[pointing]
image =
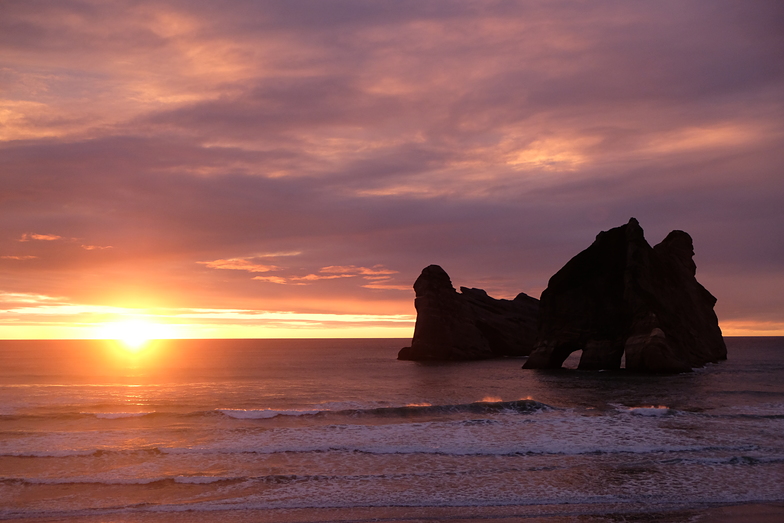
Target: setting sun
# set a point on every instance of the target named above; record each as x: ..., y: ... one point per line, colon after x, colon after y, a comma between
x: 134, y: 334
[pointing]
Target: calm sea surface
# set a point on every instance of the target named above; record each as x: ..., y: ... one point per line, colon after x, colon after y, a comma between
x: 205, y: 427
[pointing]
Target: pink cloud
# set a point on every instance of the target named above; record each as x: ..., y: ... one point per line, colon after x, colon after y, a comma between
x: 376, y: 271
x: 386, y: 287
x: 333, y: 272
x: 238, y: 264
x: 26, y: 237
x: 271, y: 279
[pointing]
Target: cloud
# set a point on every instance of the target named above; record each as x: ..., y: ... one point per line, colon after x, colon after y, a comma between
x: 334, y: 272
x: 314, y: 277
x: 238, y: 264
x: 375, y: 271
x: 21, y: 297
x: 26, y: 237
x: 24, y: 257
x: 276, y: 254
x: 271, y: 279
x: 385, y: 286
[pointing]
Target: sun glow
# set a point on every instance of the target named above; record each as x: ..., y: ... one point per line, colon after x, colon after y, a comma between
x: 134, y: 334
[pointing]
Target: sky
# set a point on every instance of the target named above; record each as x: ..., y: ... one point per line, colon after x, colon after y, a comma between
x: 287, y: 168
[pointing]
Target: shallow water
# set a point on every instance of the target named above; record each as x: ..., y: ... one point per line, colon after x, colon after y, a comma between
x: 88, y: 429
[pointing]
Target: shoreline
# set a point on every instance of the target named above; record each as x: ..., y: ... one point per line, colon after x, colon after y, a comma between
x: 754, y: 512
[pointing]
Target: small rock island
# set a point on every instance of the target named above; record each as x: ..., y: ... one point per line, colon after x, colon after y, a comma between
x: 468, y: 325
x: 620, y: 296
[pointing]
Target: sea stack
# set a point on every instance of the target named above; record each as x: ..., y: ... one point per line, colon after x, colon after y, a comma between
x: 468, y: 325
x: 622, y: 296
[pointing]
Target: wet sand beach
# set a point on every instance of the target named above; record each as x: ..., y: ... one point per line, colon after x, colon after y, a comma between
x: 568, y: 513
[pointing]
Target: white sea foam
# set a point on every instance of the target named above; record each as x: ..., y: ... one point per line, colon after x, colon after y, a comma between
x: 650, y: 411
x: 643, y: 410
x: 202, y: 480
x: 109, y: 479
x: 555, y: 432
x: 263, y: 413
x: 94, y: 479
x: 46, y: 454
x: 118, y: 415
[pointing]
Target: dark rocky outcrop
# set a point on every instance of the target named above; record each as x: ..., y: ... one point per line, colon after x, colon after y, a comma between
x: 468, y: 325
x: 621, y: 295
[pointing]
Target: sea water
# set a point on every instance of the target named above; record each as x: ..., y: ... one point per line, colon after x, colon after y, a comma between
x: 204, y: 427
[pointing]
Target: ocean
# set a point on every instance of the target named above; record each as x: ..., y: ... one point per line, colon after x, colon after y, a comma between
x: 339, y: 430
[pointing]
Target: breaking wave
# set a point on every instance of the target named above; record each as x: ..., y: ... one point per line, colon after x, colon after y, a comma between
x: 479, y: 407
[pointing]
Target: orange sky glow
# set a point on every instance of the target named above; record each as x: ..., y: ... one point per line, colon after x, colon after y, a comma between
x: 275, y: 169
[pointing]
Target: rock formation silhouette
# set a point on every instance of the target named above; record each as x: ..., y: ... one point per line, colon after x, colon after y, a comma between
x: 468, y: 325
x: 622, y: 296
